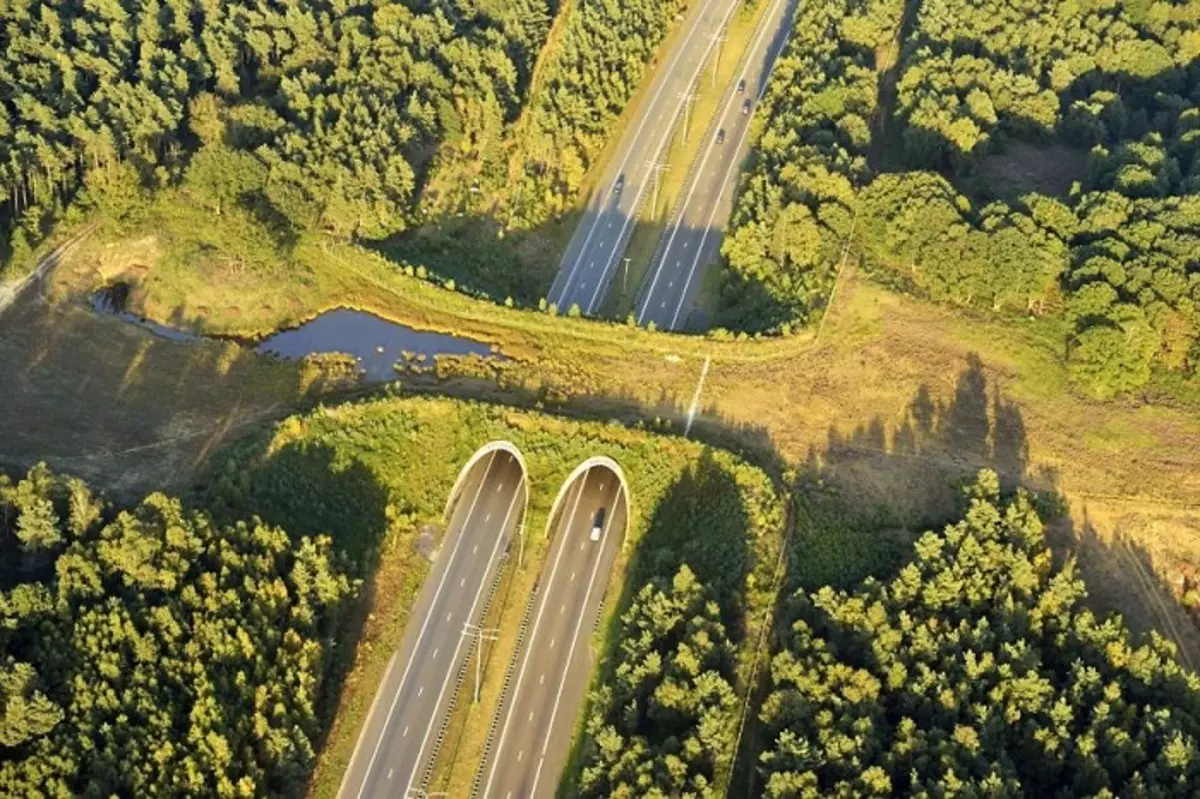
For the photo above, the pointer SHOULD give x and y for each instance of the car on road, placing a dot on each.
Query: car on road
(619, 184)
(741, 85)
(597, 525)
(721, 136)
(746, 106)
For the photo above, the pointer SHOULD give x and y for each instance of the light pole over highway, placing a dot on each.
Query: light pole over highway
(657, 167)
(688, 98)
(719, 38)
(480, 634)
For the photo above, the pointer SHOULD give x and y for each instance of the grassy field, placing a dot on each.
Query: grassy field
(896, 402)
(390, 465)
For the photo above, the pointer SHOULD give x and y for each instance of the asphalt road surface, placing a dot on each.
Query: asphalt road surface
(692, 242)
(591, 258)
(538, 717)
(396, 744)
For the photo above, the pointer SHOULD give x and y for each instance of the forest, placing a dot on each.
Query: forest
(935, 143)
(977, 670)
(151, 652)
(310, 115)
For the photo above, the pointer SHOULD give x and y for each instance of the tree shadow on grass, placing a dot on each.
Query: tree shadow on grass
(1123, 576)
(307, 490)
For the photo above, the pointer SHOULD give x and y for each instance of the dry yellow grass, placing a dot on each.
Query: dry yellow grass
(897, 401)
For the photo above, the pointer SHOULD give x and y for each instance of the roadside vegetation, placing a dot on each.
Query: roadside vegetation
(371, 474)
(976, 669)
(1034, 160)
(280, 120)
(153, 652)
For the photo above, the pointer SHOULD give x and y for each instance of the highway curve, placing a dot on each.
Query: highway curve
(591, 257)
(538, 715)
(693, 241)
(396, 745)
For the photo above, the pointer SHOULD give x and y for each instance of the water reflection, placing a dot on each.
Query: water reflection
(375, 343)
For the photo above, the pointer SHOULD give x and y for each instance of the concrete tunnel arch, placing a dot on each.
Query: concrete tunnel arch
(481, 453)
(582, 469)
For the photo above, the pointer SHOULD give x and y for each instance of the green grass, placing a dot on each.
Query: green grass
(370, 473)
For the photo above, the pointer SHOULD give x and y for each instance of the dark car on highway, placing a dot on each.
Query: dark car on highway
(620, 184)
(746, 106)
(741, 85)
(721, 136)
(597, 525)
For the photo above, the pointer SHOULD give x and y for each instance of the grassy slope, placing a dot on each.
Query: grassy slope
(391, 464)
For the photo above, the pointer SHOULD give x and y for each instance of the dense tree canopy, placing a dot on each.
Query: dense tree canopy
(666, 718)
(339, 103)
(151, 653)
(1118, 255)
(796, 206)
(976, 671)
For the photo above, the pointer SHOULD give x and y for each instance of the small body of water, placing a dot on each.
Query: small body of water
(375, 343)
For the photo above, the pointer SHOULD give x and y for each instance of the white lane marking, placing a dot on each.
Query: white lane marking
(562, 609)
(421, 633)
(529, 648)
(721, 114)
(552, 640)
(728, 173)
(668, 131)
(610, 223)
(458, 647)
(435, 653)
(542, 679)
(663, 304)
(572, 576)
(390, 772)
(669, 71)
(474, 549)
(670, 284)
(421, 690)
(487, 518)
(405, 735)
(449, 616)
(499, 487)
(520, 755)
(571, 652)
(685, 244)
(462, 582)
(531, 715)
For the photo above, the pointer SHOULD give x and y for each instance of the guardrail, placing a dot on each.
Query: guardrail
(476, 650)
(522, 633)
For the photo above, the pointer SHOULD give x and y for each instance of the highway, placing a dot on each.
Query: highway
(396, 745)
(692, 242)
(591, 257)
(537, 718)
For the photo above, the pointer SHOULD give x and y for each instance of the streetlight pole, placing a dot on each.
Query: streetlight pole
(687, 98)
(480, 634)
(658, 168)
(719, 37)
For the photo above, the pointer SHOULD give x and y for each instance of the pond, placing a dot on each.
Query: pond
(375, 343)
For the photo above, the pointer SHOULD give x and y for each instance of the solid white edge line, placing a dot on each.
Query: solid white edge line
(679, 50)
(454, 660)
(529, 648)
(424, 625)
(735, 165)
(657, 152)
(712, 143)
(571, 651)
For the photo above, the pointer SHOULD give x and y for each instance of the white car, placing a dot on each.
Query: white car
(597, 525)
